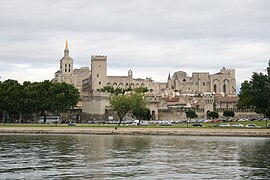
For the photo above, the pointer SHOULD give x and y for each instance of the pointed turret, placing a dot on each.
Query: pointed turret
(169, 77)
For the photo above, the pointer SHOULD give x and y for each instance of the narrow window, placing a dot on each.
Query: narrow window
(215, 88)
(97, 75)
(224, 88)
(99, 82)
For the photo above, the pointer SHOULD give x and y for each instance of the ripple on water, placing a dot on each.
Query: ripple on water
(136, 157)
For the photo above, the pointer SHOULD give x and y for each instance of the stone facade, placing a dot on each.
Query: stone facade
(202, 91)
(200, 82)
(68, 74)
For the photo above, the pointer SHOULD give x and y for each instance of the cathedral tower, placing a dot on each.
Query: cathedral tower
(66, 63)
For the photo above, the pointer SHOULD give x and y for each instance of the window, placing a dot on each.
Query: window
(224, 88)
(65, 65)
(97, 75)
(65, 69)
(215, 88)
(203, 83)
(68, 70)
(99, 82)
(69, 65)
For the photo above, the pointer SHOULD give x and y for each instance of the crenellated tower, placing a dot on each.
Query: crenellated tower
(98, 76)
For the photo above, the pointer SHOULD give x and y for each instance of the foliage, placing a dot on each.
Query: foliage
(141, 90)
(122, 104)
(112, 90)
(245, 96)
(133, 102)
(37, 97)
(228, 113)
(191, 114)
(10, 96)
(256, 93)
(139, 109)
(212, 114)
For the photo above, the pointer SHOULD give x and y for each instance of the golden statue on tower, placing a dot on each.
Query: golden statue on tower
(66, 44)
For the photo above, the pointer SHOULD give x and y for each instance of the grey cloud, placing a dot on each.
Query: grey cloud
(149, 36)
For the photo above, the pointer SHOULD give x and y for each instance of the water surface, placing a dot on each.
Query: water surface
(133, 157)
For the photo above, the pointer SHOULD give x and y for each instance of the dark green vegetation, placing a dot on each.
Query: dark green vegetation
(212, 115)
(112, 90)
(228, 113)
(125, 101)
(38, 97)
(190, 115)
(255, 93)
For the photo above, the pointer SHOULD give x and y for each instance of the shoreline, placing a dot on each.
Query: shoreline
(139, 131)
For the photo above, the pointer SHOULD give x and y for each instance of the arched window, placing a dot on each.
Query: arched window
(224, 88)
(121, 85)
(215, 88)
(153, 115)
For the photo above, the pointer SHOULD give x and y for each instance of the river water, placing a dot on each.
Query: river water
(32, 156)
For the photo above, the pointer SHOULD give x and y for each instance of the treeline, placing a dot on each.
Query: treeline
(37, 97)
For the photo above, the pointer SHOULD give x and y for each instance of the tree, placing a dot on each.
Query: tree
(62, 97)
(228, 113)
(10, 92)
(141, 90)
(256, 93)
(23, 100)
(139, 109)
(122, 104)
(37, 97)
(213, 114)
(190, 114)
(133, 102)
(245, 96)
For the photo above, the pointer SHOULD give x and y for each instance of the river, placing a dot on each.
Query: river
(36, 156)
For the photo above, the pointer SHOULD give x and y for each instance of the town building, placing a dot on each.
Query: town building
(202, 91)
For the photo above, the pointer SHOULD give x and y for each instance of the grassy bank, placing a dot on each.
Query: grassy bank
(262, 124)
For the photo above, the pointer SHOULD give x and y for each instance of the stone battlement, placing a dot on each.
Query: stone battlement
(98, 57)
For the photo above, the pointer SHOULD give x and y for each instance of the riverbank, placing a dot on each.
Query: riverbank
(139, 131)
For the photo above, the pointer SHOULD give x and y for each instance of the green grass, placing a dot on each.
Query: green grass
(179, 125)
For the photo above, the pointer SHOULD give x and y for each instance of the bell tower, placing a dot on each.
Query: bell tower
(66, 63)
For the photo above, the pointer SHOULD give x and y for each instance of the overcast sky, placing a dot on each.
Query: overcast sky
(151, 37)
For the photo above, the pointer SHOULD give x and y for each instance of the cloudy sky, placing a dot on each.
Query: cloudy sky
(150, 37)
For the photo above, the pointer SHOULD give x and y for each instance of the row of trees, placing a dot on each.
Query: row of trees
(37, 97)
(211, 114)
